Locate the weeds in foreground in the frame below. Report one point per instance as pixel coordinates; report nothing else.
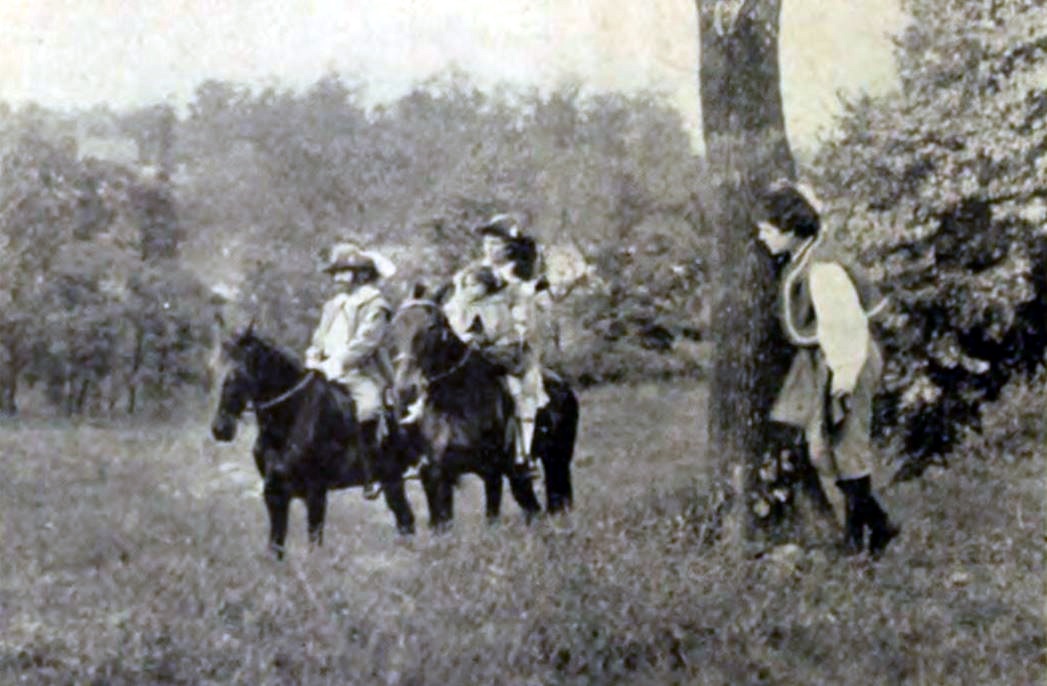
(131, 557)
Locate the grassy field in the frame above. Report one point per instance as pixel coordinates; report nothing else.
(136, 556)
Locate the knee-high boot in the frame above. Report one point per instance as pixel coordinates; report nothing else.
(369, 442)
(864, 511)
(854, 522)
(881, 529)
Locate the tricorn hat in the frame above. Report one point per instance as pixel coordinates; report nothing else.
(504, 226)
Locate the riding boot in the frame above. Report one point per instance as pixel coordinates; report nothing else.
(881, 530)
(854, 524)
(369, 439)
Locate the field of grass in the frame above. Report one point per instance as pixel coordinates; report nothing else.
(134, 556)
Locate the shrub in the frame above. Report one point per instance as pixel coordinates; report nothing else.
(938, 189)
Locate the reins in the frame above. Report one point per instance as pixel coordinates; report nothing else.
(430, 305)
(286, 395)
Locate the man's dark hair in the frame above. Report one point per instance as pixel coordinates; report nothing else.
(523, 252)
(789, 209)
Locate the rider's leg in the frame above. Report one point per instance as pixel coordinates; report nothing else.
(527, 434)
(369, 442)
(523, 433)
(367, 397)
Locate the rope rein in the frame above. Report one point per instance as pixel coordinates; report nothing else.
(429, 305)
(286, 395)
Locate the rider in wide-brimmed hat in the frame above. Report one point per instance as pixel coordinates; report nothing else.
(825, 305)
(493, 308)
(346, 346)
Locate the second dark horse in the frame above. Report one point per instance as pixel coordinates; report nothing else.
(467, 426)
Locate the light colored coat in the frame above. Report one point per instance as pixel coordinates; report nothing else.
(346, 346)
(825, 310)
(509, 318)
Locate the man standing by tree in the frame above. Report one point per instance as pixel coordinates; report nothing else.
(824, 309)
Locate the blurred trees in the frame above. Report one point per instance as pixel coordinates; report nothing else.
(273, 178)
(91, 310)
(111, 311)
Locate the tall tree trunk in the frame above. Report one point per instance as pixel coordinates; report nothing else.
(10, 370)
(9, 385)
(744, 131)
(136, 365)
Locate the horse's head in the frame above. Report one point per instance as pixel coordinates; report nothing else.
(237, 362)
(255, 370)
(419, 333)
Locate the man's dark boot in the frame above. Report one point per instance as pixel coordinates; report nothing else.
(369, 442)
(864, 510)
(854, 527)
(882, 530)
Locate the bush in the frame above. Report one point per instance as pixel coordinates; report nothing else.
(938, 189)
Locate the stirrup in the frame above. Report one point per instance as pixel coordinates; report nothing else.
(372, 490)
(527, 468)
(414, 412)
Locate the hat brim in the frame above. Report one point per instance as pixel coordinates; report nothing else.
(495, 231)
(379, 263)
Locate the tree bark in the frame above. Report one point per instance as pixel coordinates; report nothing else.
(746, 146)
(11, 369)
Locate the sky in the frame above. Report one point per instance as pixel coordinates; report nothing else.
(77, 53)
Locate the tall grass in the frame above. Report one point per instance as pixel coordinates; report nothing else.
(136, 556)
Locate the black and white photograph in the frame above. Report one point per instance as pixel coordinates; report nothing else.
(523, 342)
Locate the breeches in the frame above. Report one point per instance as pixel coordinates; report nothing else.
(366, 393)
(527, 391)
(846, 452)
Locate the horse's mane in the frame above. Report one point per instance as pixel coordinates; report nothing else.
(284, 355)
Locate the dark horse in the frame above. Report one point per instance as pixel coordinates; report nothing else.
(308, 439)
(466, 426)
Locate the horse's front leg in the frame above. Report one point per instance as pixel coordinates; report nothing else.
(389, 470)
(523, 492)
(316, 510)
(277, 501)
(437, 482)
(493, 496)
(439, 495)
(396, 500)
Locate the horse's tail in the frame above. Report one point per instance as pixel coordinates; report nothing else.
(555, 445)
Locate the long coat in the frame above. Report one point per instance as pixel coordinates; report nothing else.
(346, 346)
(824, 308)
(503, 314)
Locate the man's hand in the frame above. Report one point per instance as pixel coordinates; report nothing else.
(839, 407)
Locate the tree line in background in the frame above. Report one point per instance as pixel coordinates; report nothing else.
(114, 264)
(939, 189)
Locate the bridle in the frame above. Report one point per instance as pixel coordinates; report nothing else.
(256, 406)
(415, 303)
(283, 397)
